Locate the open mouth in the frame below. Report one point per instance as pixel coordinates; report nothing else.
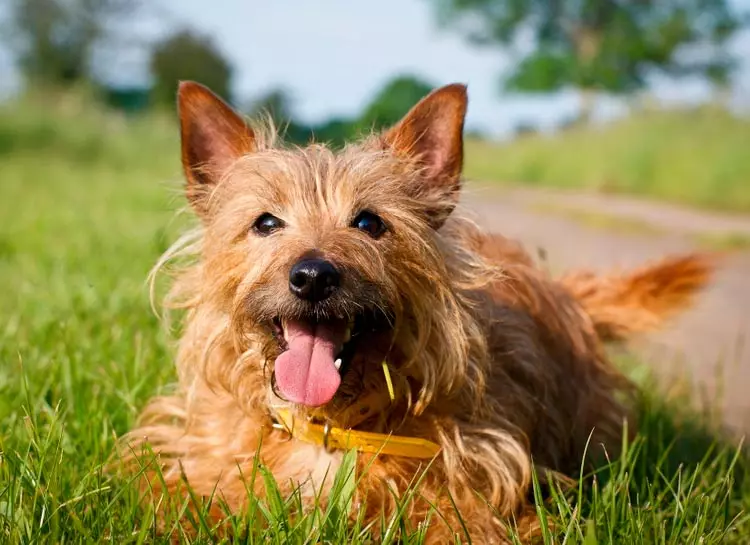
(316, 354)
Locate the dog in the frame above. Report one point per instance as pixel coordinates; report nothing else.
(336, 300)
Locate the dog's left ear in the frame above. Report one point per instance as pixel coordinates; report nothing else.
(432, 134)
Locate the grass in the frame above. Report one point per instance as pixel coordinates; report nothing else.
(87, 207)
(694, 157)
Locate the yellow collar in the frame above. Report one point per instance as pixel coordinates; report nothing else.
(363, 441)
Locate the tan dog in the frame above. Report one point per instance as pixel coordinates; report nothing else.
(335, 291)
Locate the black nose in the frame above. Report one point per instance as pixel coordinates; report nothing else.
(313, 279)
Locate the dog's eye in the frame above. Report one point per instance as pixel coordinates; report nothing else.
(267, 224)
(369, 223)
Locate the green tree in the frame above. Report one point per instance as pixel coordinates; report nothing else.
(53, 39)
(393, 101)
(600, 45)
(387, 107)
(277, 103)
(187, 55)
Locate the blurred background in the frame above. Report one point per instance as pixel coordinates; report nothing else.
(336, 66)
(601, 132)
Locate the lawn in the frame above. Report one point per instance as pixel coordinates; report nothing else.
(695, 157)
(88, 203)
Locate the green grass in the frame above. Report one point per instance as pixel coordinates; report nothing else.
(697, 157)
(87, 205)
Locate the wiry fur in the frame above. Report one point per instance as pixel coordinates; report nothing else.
(497, 362)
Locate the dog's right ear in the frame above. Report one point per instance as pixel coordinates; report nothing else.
(213, 137)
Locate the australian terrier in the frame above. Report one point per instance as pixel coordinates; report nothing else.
(336, 301)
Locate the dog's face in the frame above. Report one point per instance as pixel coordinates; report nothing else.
(327, 261)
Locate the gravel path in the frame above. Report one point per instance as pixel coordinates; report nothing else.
(706, 344)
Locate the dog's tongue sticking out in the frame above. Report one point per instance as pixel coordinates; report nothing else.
(305, 373)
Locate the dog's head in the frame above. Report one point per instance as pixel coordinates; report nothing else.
(330, 263)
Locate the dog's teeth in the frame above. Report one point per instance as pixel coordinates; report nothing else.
(337, 363)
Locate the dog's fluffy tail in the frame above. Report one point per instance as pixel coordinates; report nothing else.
(638, 301)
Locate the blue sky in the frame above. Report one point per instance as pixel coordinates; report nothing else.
(332, 55)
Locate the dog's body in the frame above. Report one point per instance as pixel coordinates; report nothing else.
(490, 359)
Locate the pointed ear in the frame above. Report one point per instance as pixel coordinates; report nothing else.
(213, 137)
(432, 134)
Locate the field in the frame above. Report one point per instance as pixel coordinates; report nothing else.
(697, 157)
(88, 203)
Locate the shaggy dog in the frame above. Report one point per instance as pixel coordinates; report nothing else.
(334, 301)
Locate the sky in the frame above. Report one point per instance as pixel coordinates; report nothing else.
(333, 55)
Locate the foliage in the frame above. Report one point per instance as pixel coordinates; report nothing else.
(600, 44)
(393, 101)
(54, 39)
(335, 131)
(277, 103)
(386, 108)
(187, 55)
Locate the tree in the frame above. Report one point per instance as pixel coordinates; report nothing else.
(600, 45)
(53, 39)
(393, 101)
(187, 55)
(387, 107)
(277, 103)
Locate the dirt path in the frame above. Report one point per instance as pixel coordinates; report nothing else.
(706, 344)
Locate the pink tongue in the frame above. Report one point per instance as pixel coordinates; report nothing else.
(305, 373)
